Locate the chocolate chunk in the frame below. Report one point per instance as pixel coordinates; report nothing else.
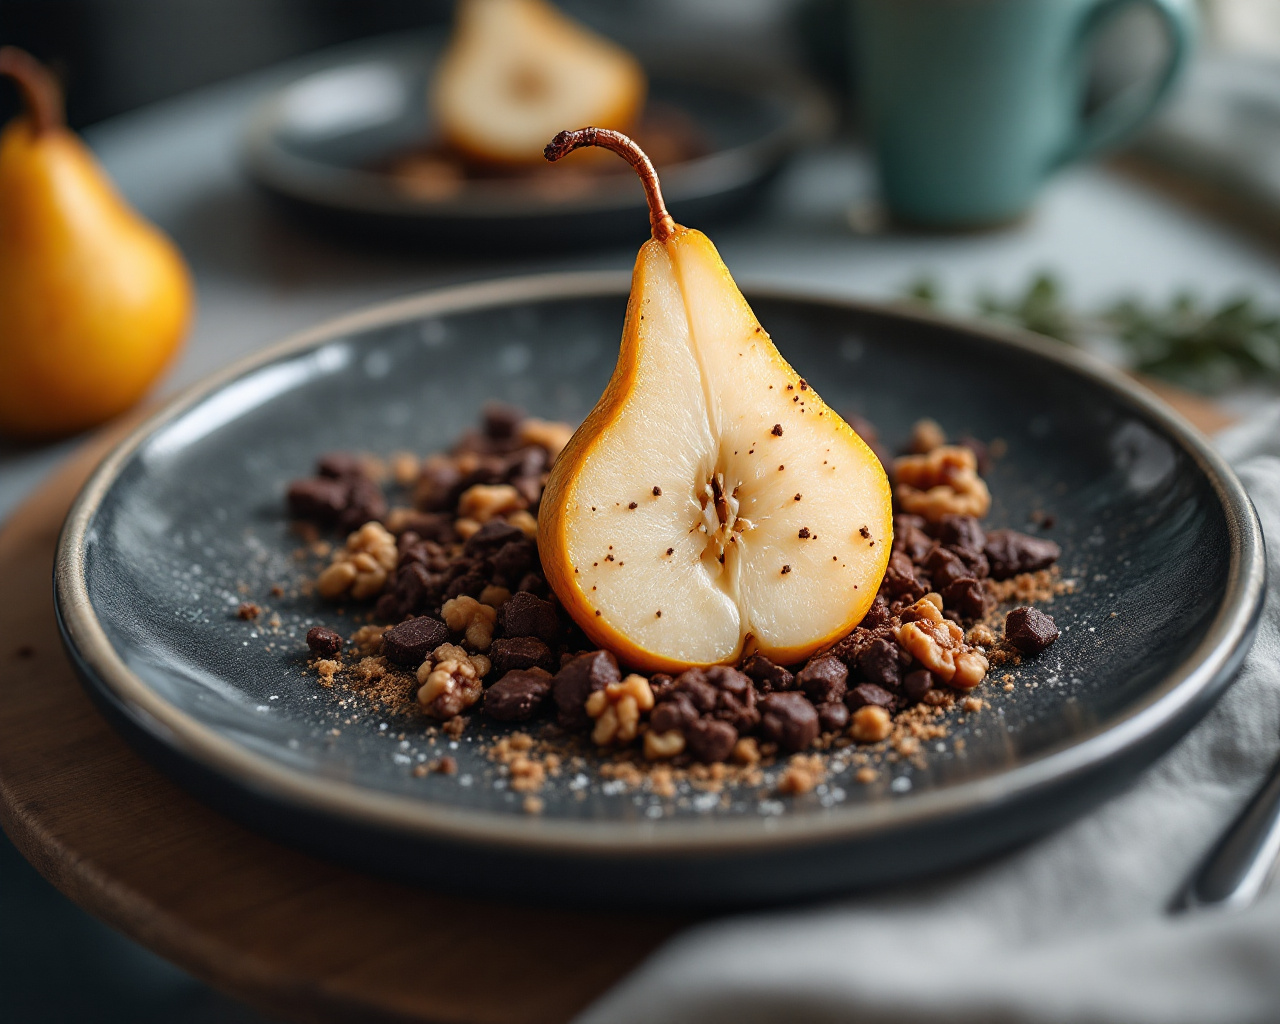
(975, 561)
(319, 500)
(471, 584)
(518, 695)
(823, 680)
(514, 559)
(674, 711)
(879, 663)
(491, 537)
(966, 596)
(1011, 552)
(900, 578)
(944, 567)
(1030, 630)
(710, 740)
(524, 614)
(789, 720)
(520, 652)
(324, 642)
(438, 487)
(868, 693)
(833, 717)
(660, 685)
(500, 421)
(916, 684)
(767, 676)
(877, 614)
(534, 583)
(432, 527)
(577, 680)
(411, 642)
(365, 503)
(911, 540)
(721, 692)
(961, 532)
(340, 465)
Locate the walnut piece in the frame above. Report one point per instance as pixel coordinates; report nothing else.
(938, 644)
(661, 745)
(617, 708)
(451, 681)
(482, 502)
(360, 569)
(942, 482)
(471, 618)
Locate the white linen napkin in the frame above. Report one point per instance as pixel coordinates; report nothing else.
(1071, 928)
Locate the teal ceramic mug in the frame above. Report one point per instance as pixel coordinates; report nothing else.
(972, 104)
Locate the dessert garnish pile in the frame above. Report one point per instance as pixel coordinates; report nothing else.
(714, 574)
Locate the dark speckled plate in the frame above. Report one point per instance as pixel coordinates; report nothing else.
(184, 520)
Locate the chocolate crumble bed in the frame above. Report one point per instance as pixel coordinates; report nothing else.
(463, 623)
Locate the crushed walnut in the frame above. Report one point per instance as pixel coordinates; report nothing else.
(940, 483)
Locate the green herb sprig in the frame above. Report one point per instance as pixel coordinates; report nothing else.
(1198, 346)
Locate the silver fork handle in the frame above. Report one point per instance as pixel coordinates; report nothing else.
(1237, 871)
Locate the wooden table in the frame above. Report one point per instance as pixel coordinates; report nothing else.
(297, 937)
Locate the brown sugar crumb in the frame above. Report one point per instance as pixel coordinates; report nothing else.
(746, 751)
(454, 726)
(527, 775)
(533, 804)
(866, 775)
(661, 782)
(327, 668)
(973, 704)
(248, 611)
(368, 639)
(368, 671)
(441, 766)
(803, 773)
(1031, 587)
(277, 590)
(982, 636)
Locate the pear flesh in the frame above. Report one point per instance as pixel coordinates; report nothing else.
(516, 70)
(712, 502)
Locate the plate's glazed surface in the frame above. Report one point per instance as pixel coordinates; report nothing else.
(316, 145)
(186, 520)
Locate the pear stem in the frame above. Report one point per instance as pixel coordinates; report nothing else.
(40, 92)
(562, 145)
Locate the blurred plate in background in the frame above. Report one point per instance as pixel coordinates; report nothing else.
(353, 146)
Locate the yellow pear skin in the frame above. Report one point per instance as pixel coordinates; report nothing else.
(94, 301)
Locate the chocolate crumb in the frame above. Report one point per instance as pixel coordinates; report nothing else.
(1030, 630)
(786, 569)
(248, 611)
(804, 533)
(864, 532)
(657, 492)
(324, 642)
(777, 430)
(633, 505)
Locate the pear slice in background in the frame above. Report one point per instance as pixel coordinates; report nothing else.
(516, 70)
(711, 502)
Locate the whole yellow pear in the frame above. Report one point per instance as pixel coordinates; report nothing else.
(94, 301)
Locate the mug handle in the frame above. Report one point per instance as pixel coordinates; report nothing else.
(1119, 117)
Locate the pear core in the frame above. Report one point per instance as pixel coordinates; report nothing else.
(711, 503)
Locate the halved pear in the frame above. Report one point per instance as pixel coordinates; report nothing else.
(711, 503)
(516, 70)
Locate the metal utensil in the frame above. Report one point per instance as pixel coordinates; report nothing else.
(1236, 873)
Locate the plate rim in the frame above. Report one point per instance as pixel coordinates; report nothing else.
(1201, 675)
(811, 116)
